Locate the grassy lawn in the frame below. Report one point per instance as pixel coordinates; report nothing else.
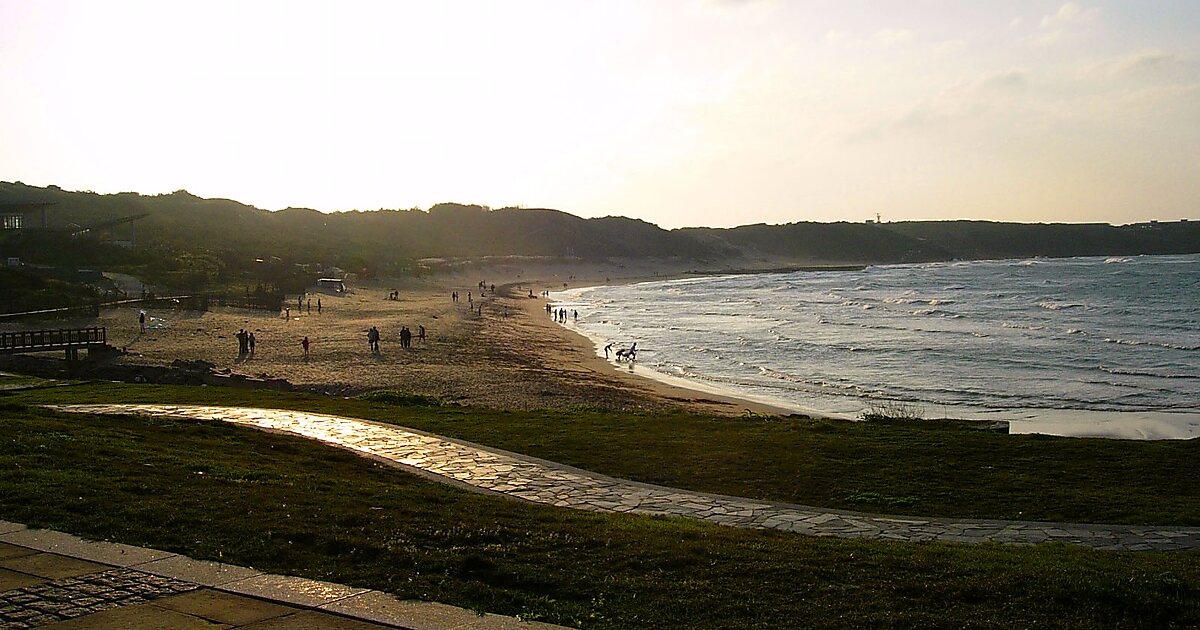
(923, 468)
(9, 381)
(289, 505)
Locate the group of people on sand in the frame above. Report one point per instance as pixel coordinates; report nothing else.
(560, 314)
(246, 343)
(406, 337)
(300, 306)
(628, 354)
(300, 303)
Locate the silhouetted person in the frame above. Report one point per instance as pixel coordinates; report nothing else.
(318, 305)
(142, 320)
(309, 305)
(250, 340)
(304, 344)
(421, 333)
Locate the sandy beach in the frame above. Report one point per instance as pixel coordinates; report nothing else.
(499, 349)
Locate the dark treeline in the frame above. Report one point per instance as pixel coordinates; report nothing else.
(192, 241)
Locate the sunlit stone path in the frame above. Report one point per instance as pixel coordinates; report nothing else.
(539, 481)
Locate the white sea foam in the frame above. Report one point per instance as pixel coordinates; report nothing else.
(1018, 336)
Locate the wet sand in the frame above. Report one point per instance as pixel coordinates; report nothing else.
(472, 357)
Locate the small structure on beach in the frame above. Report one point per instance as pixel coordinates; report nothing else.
(331, 285)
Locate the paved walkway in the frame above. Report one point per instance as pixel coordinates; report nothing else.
(492, 470)
(57, 581)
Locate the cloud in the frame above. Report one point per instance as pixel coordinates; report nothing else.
(1068, 14)
(950, 46)
(1139, 64)
(995, 91)
(835, 36)
(885, 38)
(894, 36)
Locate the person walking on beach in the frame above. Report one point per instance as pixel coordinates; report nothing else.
(250, 340)
(243, 343)
(318, 306)
(421, 333)
(606, 349)
(142, 320)
(304, 344)
(309, 305)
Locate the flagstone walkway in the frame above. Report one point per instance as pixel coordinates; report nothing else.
(492, 470)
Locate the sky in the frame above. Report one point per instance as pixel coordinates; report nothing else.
(681, 113)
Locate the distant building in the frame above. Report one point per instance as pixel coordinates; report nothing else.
(14, 216)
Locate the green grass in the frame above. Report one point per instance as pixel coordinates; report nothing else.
(924, 468)
(10, 381)
(289, 505)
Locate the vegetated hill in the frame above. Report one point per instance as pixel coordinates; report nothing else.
(987, 239)
(825, 242)
(206, 237)
(182, 221)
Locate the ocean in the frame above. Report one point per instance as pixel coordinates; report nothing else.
(1079, 346)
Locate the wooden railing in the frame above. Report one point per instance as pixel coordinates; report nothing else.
(38, 340)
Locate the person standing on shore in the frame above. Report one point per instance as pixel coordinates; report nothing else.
(304, 344)
(421, 333)
(250, 340)
(318, 305)
(142, 320)
(606, 349)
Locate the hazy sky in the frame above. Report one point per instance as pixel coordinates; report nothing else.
(701, 112)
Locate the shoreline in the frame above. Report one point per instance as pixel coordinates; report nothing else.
(1065, 422)
(508, 353)
(682, 394)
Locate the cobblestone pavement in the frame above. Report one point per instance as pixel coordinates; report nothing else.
(55, 579)
(67, 598)
(539, 481)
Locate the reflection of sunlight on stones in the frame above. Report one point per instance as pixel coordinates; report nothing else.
(553, 484)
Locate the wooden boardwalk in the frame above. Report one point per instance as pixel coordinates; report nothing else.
(70, 340)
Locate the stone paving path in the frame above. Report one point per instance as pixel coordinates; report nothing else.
(55, 579)
(492, 470)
